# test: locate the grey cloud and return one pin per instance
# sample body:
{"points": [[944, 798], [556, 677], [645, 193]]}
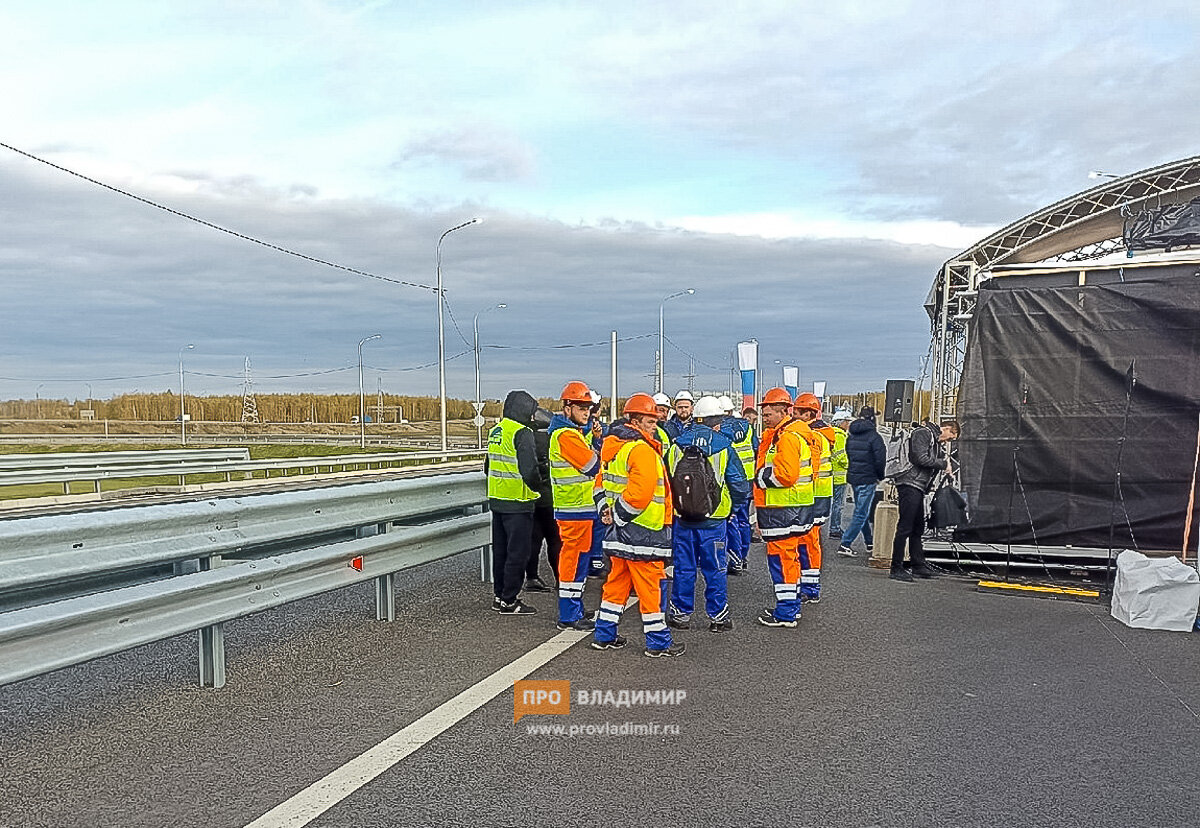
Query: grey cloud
{"points": [[99, 286], [480, 153]]}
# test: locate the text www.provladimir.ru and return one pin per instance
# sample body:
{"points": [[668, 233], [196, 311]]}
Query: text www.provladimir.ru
{"points": [[634, 729]]}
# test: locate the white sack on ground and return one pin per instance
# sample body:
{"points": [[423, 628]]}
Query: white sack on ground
{"points": [[1155, 593]]}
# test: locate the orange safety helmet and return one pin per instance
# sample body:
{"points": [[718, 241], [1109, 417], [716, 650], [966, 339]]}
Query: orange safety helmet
{"points": [[777, 396], [576, 391], [640, 404], [809, 401]]}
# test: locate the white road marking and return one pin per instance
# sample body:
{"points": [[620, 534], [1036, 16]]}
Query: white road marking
{"points": [[323, 794]]}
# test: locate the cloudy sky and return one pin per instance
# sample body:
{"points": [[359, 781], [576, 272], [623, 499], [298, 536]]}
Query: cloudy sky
{"points": [[806, 167]]}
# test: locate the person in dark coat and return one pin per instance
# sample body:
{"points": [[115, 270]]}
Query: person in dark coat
{"points": [[514, 485], [928, 460], [867, 457], [545, 527]]}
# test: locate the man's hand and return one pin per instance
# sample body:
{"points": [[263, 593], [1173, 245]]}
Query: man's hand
{"points": [[606, 516]]}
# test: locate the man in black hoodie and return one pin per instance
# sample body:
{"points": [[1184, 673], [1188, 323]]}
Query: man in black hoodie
{"points": [[514, 482], [867, 457]]}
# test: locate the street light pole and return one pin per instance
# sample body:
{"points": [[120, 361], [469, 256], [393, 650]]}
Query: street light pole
{"points": [[182, 418], [362, 406], [478, 398], [442, 330], [662, 337]]}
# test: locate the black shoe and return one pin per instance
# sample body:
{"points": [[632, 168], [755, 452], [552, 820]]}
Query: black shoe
{"points": [[679, 622], [835, 533], [536, 584], [870, 548], [925, 572], [720, 626], [901, 575], [616, 644], [497, 604], [768, 619], [669, 652], [583, 625], [516, 608], [816, 599]]}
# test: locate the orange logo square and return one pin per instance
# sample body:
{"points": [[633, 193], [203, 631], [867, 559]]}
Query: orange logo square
{"points": [[541, 697]]}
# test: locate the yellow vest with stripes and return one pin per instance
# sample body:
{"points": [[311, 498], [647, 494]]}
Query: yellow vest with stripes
{"points": [[504, 476], [799, 494], [718, 462], [616, 478], [571, 489]]}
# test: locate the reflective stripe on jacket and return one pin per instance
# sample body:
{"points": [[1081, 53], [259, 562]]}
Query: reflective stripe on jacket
{"points": [[719, 462], [573, 467], [504, 475], [636, 489]]}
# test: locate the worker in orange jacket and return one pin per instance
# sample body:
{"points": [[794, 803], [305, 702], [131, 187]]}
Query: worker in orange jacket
{"points": [[634, 498], [574, 467], [808, 411], [783, 496]]}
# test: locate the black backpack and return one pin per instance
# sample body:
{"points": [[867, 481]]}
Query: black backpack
{"points": [[695, 490]]}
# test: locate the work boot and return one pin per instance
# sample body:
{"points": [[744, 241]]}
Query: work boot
{"points": [[582, 624], [901, 575], [516, 608], [679, 622], [720, 626], [536, 584], [669, 652], [616, 644], [768, 619]]}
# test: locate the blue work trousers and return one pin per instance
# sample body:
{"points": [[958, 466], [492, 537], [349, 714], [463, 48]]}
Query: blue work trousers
{"points": [[860, 521], [740, 533], [703, 548]]}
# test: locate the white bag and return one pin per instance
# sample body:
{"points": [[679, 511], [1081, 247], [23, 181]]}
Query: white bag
{"points": [[1155, 593]]}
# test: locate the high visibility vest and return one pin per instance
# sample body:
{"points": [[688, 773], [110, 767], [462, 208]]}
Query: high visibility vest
{"points": [[571, 489], [799, 494], [664, 439], [823, 485], [504, 476], [616, 478], [719, 462], [745, 453], [841, 462]]}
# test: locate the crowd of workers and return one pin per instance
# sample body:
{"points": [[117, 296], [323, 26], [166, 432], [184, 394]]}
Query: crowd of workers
{"points": [[665, 493]]}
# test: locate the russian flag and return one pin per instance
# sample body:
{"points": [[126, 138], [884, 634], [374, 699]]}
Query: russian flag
{"points": [[748, 365]]}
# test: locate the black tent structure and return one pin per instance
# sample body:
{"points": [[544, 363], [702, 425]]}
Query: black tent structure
{"points": [[1068, 347]]}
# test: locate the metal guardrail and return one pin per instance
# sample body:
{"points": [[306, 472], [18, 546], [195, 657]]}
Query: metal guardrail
{"points": [[59, 631], [104, 459], [228, 467]]}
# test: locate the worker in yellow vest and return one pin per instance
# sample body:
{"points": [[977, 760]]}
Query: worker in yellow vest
{"points": [[808, 411], [837, 435], [513, 481]]}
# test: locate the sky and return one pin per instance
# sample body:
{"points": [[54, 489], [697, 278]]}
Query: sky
{"points": [[805, 167]]}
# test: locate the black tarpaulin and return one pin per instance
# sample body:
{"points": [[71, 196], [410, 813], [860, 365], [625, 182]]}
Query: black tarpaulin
{"points": [[1048, 401], [1175, 225]]}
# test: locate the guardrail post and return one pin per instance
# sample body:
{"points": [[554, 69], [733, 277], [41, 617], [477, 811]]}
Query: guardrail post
{"points": [[385, 597], [485, 551], [212, 656]]}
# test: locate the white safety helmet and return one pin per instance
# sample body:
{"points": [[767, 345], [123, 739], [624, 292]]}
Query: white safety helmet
{"points": [[726, 403], [662, 399], [685, 395], [596, 399], [842, 415], [707, 406]]}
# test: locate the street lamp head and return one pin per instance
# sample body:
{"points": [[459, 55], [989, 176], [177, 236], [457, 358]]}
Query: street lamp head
{"points": [[1101, 174], [690, 291], [502, 306], [369, 338]]}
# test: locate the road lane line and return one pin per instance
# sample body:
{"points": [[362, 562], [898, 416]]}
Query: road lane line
{"points": [[323, 794]]}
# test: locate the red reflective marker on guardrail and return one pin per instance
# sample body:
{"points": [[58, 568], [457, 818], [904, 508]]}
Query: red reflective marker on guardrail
{"points": [[357, 563]]}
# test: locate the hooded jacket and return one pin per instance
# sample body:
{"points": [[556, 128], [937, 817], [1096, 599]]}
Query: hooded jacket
{"points": [[712, 443], [519, 407], [865, 452], [925, 452]]}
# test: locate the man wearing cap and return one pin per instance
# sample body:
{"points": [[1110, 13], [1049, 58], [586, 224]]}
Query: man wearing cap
{"points": [[783, 494], [745, 443], [701, 540], [837, 433]]}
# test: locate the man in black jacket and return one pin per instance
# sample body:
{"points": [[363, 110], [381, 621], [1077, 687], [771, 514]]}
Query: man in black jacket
{"points": [[927, 458], [514, 485], [867, 457]]}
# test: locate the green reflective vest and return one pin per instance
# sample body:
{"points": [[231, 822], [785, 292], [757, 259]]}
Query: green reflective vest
{"points": [[571, 489], [841, 462], [616, 478], [823, 487], [799, 494], [504, 477], [718, 461], [745, 453]]}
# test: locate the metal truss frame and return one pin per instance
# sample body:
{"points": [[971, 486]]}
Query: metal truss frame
{"points": [[1084, 226]]}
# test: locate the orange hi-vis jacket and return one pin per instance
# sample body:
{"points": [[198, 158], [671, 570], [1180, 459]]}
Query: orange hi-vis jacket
{"points": [[821, 450], [788, 458], [645, 465]]}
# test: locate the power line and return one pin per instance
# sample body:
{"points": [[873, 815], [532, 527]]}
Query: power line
{"points": [[218, 227]]}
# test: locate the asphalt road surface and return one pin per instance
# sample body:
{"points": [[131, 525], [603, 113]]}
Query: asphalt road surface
{"points": [[925, 704]]}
